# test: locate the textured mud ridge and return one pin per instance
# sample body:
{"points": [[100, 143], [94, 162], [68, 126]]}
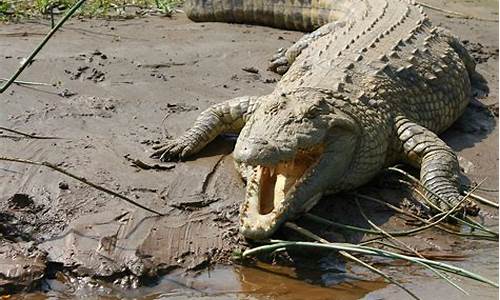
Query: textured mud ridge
{"points": [[120, 91]]}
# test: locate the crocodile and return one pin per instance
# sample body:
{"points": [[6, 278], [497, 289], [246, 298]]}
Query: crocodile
{"points": [[370, 85]]}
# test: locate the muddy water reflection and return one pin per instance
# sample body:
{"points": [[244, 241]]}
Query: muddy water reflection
{"points": [[273, 282], [260, 282]]}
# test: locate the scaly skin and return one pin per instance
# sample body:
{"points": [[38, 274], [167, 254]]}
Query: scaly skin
{"points": [[372, 86]]}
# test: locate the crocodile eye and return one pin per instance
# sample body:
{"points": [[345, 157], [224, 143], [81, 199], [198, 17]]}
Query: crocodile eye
{"points": [[311, 112]]}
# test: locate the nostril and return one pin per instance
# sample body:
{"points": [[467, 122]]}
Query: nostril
{"points": [[244, 153], [260, 141]]}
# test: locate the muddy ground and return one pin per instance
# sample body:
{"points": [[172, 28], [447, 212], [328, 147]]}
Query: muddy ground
{"points": [[121, 87]]}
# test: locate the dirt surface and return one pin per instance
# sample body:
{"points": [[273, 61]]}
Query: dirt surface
{"points": [[121, 87], [118, 92]]}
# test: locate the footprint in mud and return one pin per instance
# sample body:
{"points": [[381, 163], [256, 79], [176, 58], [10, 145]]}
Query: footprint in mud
{"points": [[95, 74], [178, 107], [88, 106]]}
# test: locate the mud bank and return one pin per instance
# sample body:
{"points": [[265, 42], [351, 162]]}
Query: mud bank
{"points": [[121, 87]]}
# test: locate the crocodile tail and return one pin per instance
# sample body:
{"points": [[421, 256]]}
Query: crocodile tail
{"points": [[303, 15]]}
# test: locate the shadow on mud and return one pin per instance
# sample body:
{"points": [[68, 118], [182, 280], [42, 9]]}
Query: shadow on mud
{"points": [[478, 120], [475, 125]]}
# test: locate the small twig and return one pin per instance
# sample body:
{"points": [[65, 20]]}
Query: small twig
{"points": [[483, 200], [145, 166], [31, 136], [371, 251], [164, 128], [81, 179], [406, 252], [319, 219], [370, 231], [443, 215], [20, 34], [407, 247], [466, 220], [482, 189], [52, 22], [347, 255], [377, 241], [382, 231], [70, 12], [455, 13], [439, 226], [21, 82], [416, 190], [417, 182]]}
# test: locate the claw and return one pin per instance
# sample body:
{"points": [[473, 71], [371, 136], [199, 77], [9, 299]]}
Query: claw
{"points": [[279, 53], [169, 151], [472, 209], [185, 152], [279, 66], [164, 157], [156, 147], [168, 156], [157, 153], [279, 62], [282, 69]]}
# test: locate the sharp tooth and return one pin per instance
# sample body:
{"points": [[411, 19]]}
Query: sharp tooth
{"points": [[279, 190]]}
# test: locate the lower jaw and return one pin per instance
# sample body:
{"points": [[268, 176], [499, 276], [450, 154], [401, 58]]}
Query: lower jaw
{"points": [[254, 224], [257, 226]]}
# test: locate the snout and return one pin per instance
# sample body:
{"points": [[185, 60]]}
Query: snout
{"points": [[256, 151]]}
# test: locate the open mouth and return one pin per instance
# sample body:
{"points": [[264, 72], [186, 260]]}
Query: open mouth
{"points": [[269, 189]]}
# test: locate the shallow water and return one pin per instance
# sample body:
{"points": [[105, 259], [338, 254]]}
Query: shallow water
{"points": [[262, 282], [329, 279]]}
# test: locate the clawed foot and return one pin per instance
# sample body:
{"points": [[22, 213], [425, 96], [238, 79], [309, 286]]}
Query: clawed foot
{"points": [[279, 62], [172, 150], [471, 208], [467, 208]]}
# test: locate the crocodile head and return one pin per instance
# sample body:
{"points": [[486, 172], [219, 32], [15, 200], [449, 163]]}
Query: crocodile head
{"points": [[294, 146]]}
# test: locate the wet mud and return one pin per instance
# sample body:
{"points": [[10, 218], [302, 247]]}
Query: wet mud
{"points": [[117, 88]]}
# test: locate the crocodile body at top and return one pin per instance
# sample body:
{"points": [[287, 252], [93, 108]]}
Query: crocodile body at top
{"points": [[371, 85]]}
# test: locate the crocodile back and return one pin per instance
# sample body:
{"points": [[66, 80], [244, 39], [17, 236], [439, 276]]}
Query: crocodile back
{"points": [[387, 56], [384, 55]]}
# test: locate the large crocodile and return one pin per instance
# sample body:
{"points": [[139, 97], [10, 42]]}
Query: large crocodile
{"points": [[372, 85]]}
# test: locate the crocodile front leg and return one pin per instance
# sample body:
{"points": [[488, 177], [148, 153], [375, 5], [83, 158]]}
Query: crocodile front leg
{"points": [[225, 117], [439, 169], [284, 58]]}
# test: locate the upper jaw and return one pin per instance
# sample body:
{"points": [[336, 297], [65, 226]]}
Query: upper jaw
{"points": [[258, 152]]}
